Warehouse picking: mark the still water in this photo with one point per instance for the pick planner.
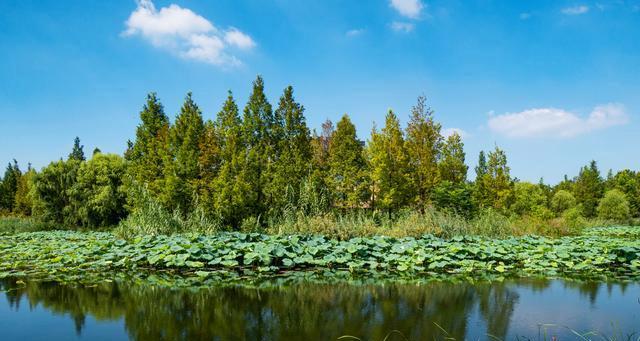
(506, 310)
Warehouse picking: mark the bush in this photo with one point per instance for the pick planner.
(614, 206)
(562, 201)
(51, 201)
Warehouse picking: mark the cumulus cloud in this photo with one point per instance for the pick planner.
(186, 34)
(450, 131)
(552, 122)
(575, 10)
(408, 8)
(404, 27)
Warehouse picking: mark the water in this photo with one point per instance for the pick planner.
(507, 310)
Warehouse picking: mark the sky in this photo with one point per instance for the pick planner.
(553, 83)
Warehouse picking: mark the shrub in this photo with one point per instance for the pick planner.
(562, 201)
(614, 206)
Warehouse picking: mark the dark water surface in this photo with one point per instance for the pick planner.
(506, 310)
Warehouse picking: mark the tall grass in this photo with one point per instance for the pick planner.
(16, 224)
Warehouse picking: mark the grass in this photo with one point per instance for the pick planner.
(15, 224)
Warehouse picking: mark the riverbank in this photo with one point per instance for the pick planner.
(605, 253)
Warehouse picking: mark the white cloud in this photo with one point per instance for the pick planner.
(450, 131)
(552, 122)
(408, 8)
(575, 10)
(355, 32)
(405, 27)
(185, 33)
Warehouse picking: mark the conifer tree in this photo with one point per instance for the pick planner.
(182, 170)
(389, 166)
(292, 164)
(24, 193)
(588, 189)
(480, 190)
(452, 166)
(500, 184)
(230, 193)
(320, 151)
(347, 167)
(424, 143)
(148, 153)
(261, 139)
(77, 153)
(9, 186)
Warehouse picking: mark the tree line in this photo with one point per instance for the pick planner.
(263, 162)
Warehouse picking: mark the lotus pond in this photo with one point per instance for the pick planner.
(234, 286)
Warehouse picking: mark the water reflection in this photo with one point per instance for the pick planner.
(308, 311)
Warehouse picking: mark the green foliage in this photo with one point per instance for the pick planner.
(389, 166)
(52, 199)
(454, 197)
(614, 206)
(588, 189)
(423, 145)
(97, 193)
(348, 178)
(452, 167)
(628, 182)
(25, 193)
(9, 187)
(148, 154)
(77, 153)
(529, 199)
(494, 186)
(181, 164)
(562, 201)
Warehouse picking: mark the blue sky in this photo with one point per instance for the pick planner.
(554, 83)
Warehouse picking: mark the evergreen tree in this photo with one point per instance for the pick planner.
(96, 151)
(423, 145)
(481, 191)
(320, 151)
(9, 186)
(77, 153)
(24, 193)
(389, 166)
(182, 169)
(589, 189)
(293, 161)
(452, 166)
(260, 137)
(500, 184)
(148, 153)
(347, 166)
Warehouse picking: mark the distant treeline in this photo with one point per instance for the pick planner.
(262, 162)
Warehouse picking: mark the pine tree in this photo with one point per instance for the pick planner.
(589, 189)
(292, 164)
(452, 166)
(77, 153)
(9, 186)
(260, 135)
(182, 169)
(389, 166)
(230, 193)
(500, 184)
(480, 189)
(148, 153)
(424, 143)
(347, 166)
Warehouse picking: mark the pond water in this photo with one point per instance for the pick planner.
(508, 310)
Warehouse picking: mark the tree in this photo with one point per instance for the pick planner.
(97, 193)
(52, 200)
(229, 195)
(562, 201)
(493, 185)
(261, 139)
(389, 165)
(292, 163)
(182, 169)
(77, 153)
(614, 206)
(9, 186)
(347, 166)
(148, 153)
(454, 197)
(588, 189)
(423, 146)
(24, 193)
(628, 182)
(530, 199)
(452, 167)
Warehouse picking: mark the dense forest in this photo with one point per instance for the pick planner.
(257, 168)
